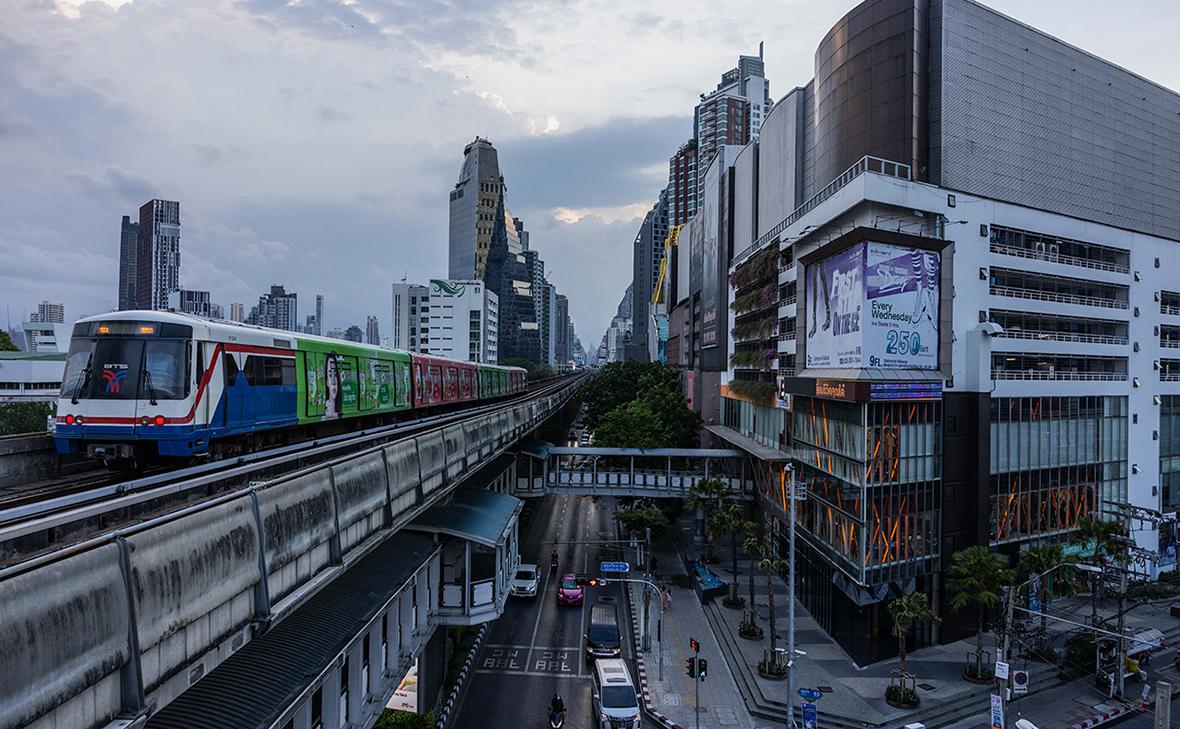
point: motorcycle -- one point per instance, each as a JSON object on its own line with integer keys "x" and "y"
{"x": 553, "y": 563}
{"x": 556, "y": 719}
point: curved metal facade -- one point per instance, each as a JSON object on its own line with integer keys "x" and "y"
{"x": 870, "y": 88}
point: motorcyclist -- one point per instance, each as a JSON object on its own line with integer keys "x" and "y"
{"x": 556, "y": 705}
{"x": 553, "y": 560}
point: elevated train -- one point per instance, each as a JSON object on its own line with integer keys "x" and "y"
{"x": 146, "y": 386}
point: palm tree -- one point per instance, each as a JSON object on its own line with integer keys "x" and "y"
{"x": 977, "y": 576}
{"x": 728, "y": 519}
{"x": 770, "y": 565}
{"x": 1038, "y": 561}
{"x": 1104, "y": 537}
{"x": 705, "y": 496}
{"x": 909, "y": 609}
{"x": 750, "y": 623}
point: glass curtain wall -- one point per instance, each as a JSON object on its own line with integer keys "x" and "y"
{"x": 1170, "y": 453}
{"x": 1054, "y": 460}
{"x": 872, "y": 472}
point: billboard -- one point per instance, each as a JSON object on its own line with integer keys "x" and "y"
{"x": 873, "y": 306}
{"x": 710, "y": 252}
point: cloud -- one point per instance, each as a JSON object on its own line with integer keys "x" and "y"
{"x": 114, "y": 185}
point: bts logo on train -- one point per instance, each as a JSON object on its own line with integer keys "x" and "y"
{"x": 113, "y": 375}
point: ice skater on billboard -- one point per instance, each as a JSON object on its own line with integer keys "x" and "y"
{"x": 821, "y": 274}
{"x": 926, "y": 274}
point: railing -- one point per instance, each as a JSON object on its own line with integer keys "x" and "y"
{"x": 1059, "y": 298}
{"x": 787, "y": 337}
{"x": 1064, "y": 336}
{"x": 788, "y": 300}
{"x": 861, "y": 166}
{"x": 786, "y": 267}
{"x": 1170, "y": 377}
{"x": 1058, "y": 258}
{"x": 483, "y": 592}
{"x": 1170, "y": 343}
{"x": 787, "y": 371}
{"x": 1169, "y": 309}
{"x": 1059, "y": 375}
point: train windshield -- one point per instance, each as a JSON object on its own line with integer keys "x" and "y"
{"x": 126, "y": 369}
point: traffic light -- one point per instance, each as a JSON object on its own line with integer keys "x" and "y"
{"x": 702, "y": 668}
{"x": 695, "y": 645}
{"x": 690, "y": 665}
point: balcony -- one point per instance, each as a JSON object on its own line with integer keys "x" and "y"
{"x": 1064, "y": 337}
{"x": 1058, "y": 289}
{"x": 1018, "y": 366}
{"x": 1043, "y": 255}
{"x": 1053, "y": 328}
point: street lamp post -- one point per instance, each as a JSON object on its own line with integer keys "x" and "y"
{"x": 792, "y": 498}
{"x": 1012, "y": 594}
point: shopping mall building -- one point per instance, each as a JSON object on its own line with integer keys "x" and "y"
{"x": 945, "y": 287}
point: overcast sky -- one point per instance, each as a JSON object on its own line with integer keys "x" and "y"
{"x": 313, "y": 143}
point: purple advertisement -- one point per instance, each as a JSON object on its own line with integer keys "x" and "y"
{"x": 873, "y": 306}
{"x": 834, "y": 291}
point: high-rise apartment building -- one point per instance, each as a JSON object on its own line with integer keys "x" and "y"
{"x": 188, "y": 301}
{"x": 372, "y": 333}
{"x": 682, "y": 183}
{"x": 237, "y": 312}
{"x": 457, "y": 319}
{"x": 647, "y": 253}
{"x": 277, "y": 310}
{"x": 476, "y": 202}
{"x": 319, "y": 314}
{"x": 563, "y": 330}
{"x": 733, "y": 112}
{"x": 128, "y": 271}
{"x": 217, "y": 311}
{"x": 157, "y": 257}
{"x": 49, "y": 313}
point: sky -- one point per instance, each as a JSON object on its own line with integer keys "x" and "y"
{"x": 313, "y": 143}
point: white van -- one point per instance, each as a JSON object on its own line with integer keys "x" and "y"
{"x": 616, "y": 703}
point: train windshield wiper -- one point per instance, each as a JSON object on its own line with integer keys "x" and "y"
{"x": 147, "y": 378}
{"x": 83, "y": 381}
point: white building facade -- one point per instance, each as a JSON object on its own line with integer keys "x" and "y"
{"x": 448, "y": 318}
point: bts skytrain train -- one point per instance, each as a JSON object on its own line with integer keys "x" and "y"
{"x": 144, "y": 386}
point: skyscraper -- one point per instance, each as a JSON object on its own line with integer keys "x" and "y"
{"x": 682, "y": 184}
{"x": 647, "y": 253}
{"x": 733, "y": 112}
{"x": 277, "y": 310}
{"x": 475, "y": 205}
{"x": 157, "y": 257}
{"x": 188, "y": 301}
{"x": 128, "y": 248}
{"x": 49, "y": 313}
{"x": 372, "y": 334}
{"x": 237, "y": 312}
{"x": 319, "y": 314}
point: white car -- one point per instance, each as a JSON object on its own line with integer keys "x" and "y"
{"x": 524, "y": 584}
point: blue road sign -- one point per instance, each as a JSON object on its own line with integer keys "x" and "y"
{"x": 810, "y": 694}
{"x": 622, "y": 567}
{"x": 809, "y": 717}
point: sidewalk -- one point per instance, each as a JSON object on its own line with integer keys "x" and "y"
{"x": 854, "y": 696}
{"x": 720, "y": 701}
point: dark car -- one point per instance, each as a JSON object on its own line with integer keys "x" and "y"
{"x": 603, "y": 639}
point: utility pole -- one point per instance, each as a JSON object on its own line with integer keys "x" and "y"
{"x": 1124, "y": 566}
{"x": 790, "y": 600}
{"x": 1009, "y": 608}
{"x": 1163, "y": 705}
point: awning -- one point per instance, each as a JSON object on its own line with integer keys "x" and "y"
{"x": 1147, "y": 640}
{"x": 252, "y": 688}
{"x": 747, "y": 444}
{"x": 480, "y": 516}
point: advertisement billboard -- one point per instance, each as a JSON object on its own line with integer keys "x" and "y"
{"x": 710, "y": 251}
{"x": 873, "y": 306}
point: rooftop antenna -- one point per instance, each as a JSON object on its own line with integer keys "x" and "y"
{"x": 760, "y": 49}
{"x": 405, "y": 273}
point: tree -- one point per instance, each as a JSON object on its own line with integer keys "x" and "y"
{"x": 707, "y": 495}
{"x": 535, "y": 371}
{"x": 24, "y": 417}
{"x": 770, "y": 565}
{"x": 6, "y": 343}
{"x": 730, "y": 519}
{"x": 656, "y": 386}
{"x": 391, "y": 719}
{"x": 629, "y": 426}
{"x": 909, "y": 609}
{"x": 638, "y": 520}
{"x": 1038, "y": 561}
{"x": 977, "y": 576}
{"x": 1103, "y": 538}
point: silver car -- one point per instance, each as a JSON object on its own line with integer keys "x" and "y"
{"x": 524, "y": 584}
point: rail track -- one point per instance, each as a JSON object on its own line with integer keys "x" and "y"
{"x": 71, "y": 509}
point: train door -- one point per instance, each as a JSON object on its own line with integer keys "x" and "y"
{"x": 240, "y": 408}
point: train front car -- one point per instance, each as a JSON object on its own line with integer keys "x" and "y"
{"x": 129, "y": 392}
